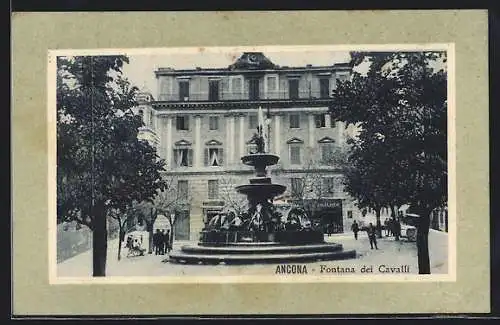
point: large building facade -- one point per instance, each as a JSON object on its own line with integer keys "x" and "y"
{"x": 202, "y": 121}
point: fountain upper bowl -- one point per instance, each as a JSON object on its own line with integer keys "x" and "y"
{"x": 262, "y": 159}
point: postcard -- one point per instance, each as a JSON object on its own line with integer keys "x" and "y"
{"x": 251, "y": 177}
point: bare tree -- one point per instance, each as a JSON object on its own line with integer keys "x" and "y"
{"x": 170, "y": 202}
{"x": 313, "y": 182}
{"x": 167, "y": 202}
{"x": 232, "y": 199}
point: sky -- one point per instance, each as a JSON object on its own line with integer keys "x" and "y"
{"x": 140, "y": 70}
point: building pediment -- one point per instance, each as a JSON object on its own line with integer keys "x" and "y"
{"x": 326, "y": 140}
{"x": 295, "y": 141}
{"x": 213, "y": 143}
{"x": 253, "y": 61}
{"x": 182, "y": 143}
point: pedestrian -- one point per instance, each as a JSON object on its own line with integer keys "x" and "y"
{"x": 170, "y": 241}
{"x": 166, "y": 241}
{"x": 390, "y": 225}
{"x": 156, "y": 242}
{"x": 397, "y": 228}
{"x": 161, "y": 242}
{"x": 372, "y": 236}
{"x": 355, "y": 229}
{"x": 387, "y": 226}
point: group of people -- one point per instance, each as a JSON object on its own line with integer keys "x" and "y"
{"x": 392, "y": 228}
{"x": 161, "y": 242}
{"x": 370, "y": 230}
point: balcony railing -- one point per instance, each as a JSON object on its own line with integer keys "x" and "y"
{"x": 243, "y": 96}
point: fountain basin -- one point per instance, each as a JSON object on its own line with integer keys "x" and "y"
{"x": 261, "y": 190}
{"x": 260, "y": 159}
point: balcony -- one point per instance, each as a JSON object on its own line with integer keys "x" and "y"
{"x": 245, "y": 96}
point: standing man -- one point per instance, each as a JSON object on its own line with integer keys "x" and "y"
{"x": 372, "y": 236}
{"x": 161, "y": 242}
{"x": 386, "y": 226}
{"x": 156, "y": 242}
{"x": 166, "y": 242}
{"x": 355, "y": 229}
{"x": 170, "y": 241}
{"x": 397, "y": 228}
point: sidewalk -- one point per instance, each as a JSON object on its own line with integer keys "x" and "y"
{"x": 390, "y": 252}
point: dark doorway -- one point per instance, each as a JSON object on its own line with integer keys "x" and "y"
{"x": 183, "y": 90}
{"x": 324, "y": 87}
{"x": 213, "y": 90}
{"x": 253, "y": 89}
{"x": 293, "y": 88}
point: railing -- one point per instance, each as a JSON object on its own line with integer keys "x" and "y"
{"x": 236, "y": 96}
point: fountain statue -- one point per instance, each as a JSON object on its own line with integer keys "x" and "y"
{"x": 262, "y": 233}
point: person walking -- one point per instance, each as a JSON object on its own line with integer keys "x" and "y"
{"x": 156, "y": 242}
{"x": 372, "y": 236}
{"x": 397, "y": 228}
{"x": 161, "y": 242}
{"x": 387, "y": 227}
{"x": 170, "y": 241}
{"x": 355, "y": 229}
{"x": 166, "y": 242}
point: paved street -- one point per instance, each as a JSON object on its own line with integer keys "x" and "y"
{"x": 390, "y": 253}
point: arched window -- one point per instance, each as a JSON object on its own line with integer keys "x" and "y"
{"x": 183, "y": 154}
{"x": 214, "y": 154}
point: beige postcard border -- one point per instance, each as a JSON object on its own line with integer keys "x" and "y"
{"x": 450, "y": 276}
{"x": 34, "y": 34}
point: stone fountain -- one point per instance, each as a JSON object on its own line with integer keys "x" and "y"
{"x": 263, "y": 234}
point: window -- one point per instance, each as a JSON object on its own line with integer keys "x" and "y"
{"x": 294, "y": 121}
{"x": 333, "y": 121}
{"x": 272, "y": 83}
{"x": 184, "y": 90}
{"x": 252, "y": 122}
{"x": 319, "y": 120}
{"x": 296, "y": 188}
{"x": 213, "y": 122}
{"x": 214, "y": 157}
{"x": 324, "y": 87}
{"x": 326, "y": 152}
{"x": 328, "y": 184}
{"x": 183, "y": 157}
{"x": 349, "y": 214}
{"x": 253, "y": 89}
{"x": 182, "y": 188}
{"x": 213, "y": 189}
{"x": 236, "y": 85}
{"x": 293, "y": 88}
{"x": 295, "y": 155}
{"x": 182, "y": 123}
{"x": 213, "y": 90}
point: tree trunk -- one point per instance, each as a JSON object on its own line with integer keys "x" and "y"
{"x": 121, "y": 236}
{"x": 99, "y": 240}
{"x": 423, "y": 226}
{"x": 379, "y": 224}
{"x": 445, "y": 221}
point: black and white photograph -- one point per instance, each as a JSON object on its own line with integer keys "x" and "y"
{"x": 265, "y": 163}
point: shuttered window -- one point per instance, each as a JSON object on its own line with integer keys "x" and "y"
{"x": 182, "y": 188}
{"x": 213, "y": 189}
{"x": 183, "y": 157}
{"x": 214, "y": 157}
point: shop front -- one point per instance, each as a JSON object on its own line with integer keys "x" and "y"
{"x": 327, "y": 213}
